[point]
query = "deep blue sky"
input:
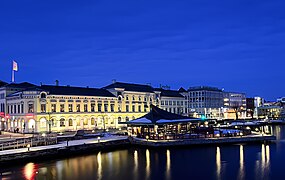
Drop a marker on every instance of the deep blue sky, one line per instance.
(238, 45)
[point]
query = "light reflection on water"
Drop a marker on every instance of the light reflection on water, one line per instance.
(168, 165)
(254, 161)
(218, 163)
(241, 174)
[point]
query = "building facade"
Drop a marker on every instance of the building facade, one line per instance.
(64, 108)
(234, 105)
(5, 90)
(172, 101)
(205, 102)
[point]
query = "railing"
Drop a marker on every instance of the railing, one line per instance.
(38, 140)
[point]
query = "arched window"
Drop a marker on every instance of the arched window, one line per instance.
(127, 118)
(53, 124)
(62, 122)
(127, 98)
(70, 122)
(140, 98)
(133, 117)
(93, 121)
(43, 95)
(134, 98)
(85, 121)
(119, 98)
(119, 119)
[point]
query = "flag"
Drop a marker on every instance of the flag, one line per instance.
(15, 66)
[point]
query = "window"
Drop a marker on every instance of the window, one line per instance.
(127, 98)
(134, 98)
(92, 121)
(99, 107)
(127, 108)
(43, 95)
(78, 108)
(62, 108)
(30, 108)
(19, 109)
(92, 107)
(70, 122)
(53, 123)
(70, 108)
(85, 121)
(127, 118)
(119, 119)
(85, 108)
(43, 108)
(112, 107)
(134, 108)
(140, 109)
(105, 107)
(53, 107)
(61, 122)
(140, 98)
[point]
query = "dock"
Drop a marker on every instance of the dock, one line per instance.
(203, 141)
(62, 149)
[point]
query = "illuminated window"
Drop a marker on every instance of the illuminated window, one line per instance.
(70, 122)
(92, 121)
(85, 121)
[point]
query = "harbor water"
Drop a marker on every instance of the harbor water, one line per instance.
(237, 161)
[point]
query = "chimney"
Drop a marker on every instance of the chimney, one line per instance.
(113, 81)
(56, 82)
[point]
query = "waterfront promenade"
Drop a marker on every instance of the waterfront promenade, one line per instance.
(63, 144)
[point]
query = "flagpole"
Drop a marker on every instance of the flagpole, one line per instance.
(13, 76)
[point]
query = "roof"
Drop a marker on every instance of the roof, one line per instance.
(169, 93)
(80, 91)
(130, 87)
(182, 90)
(160, 116)
(20, 85)
(207, 88)
(2, 83)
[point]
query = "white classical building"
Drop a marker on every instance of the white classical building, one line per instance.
(5, 90)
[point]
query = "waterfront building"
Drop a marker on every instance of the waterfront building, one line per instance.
(250, 107)
(133, 98)
(258, 102)
(66, 108)
(159, 124)
(172, 101)
(269, 112)
(234, 105)
(205, 102)
(5, 90)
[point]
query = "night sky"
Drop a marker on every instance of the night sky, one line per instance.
(238, 45)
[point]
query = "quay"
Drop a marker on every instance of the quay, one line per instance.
(78, 147)
(62, 149)
(203, 141)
